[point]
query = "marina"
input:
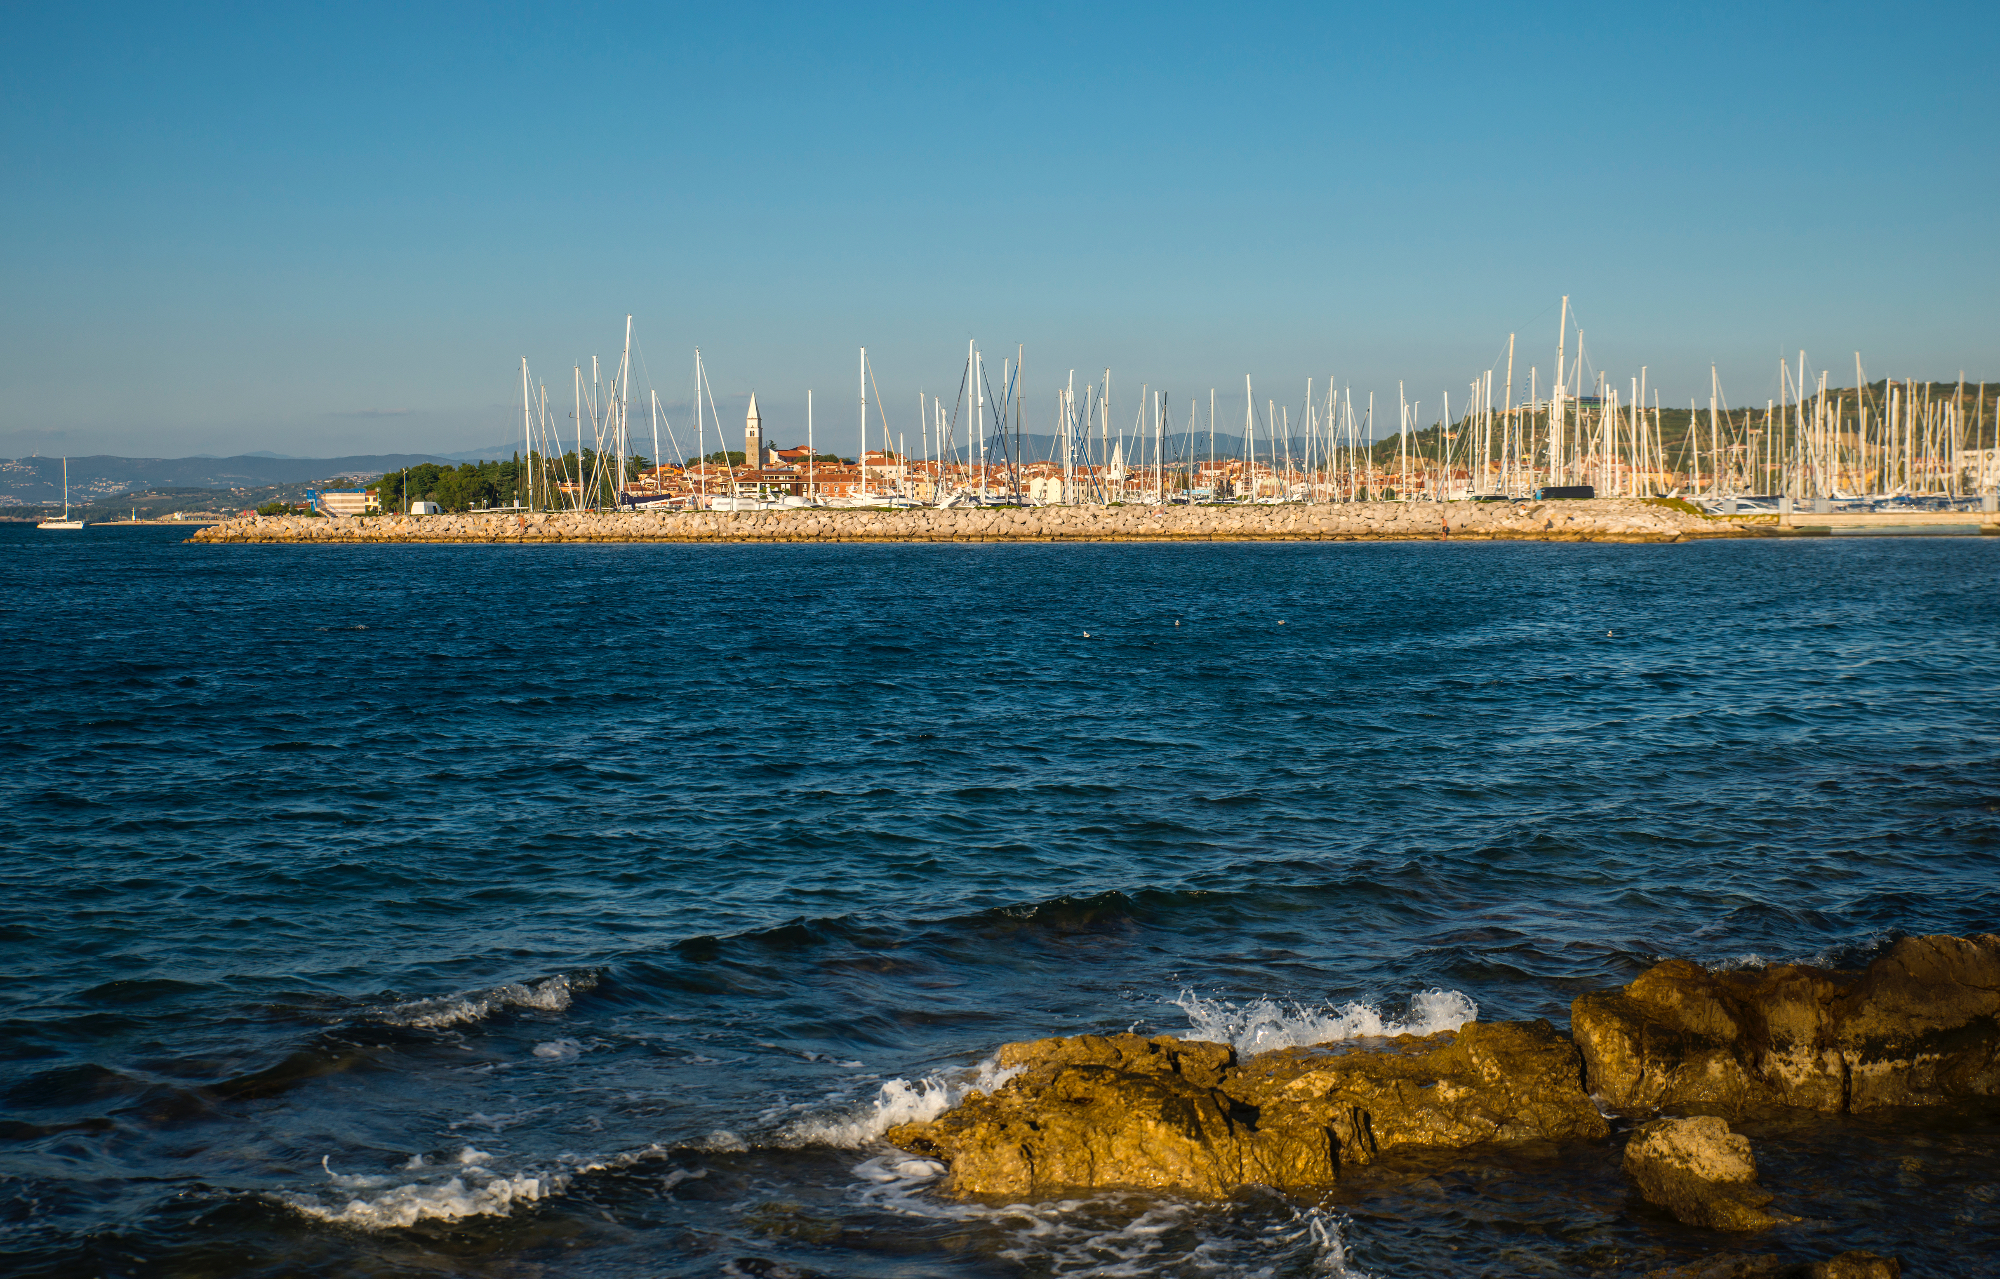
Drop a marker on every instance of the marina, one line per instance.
(1895, 447)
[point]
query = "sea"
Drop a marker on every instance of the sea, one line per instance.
(592, 909)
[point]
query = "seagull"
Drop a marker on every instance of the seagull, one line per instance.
(1281, 621)
(1086, 634)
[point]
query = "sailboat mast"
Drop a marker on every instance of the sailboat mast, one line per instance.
(1556, 394)
(527, 433)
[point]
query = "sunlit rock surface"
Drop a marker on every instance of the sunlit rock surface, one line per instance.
(1091, 1111)
(1699, 1171)
(1917, 1028)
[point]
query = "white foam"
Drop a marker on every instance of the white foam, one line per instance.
(1265, 1025)
(472, 1190)
(1119, 1236)
(899, 1101)
(552, 994)
(559, 1050)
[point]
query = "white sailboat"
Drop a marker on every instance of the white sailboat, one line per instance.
(65, 521)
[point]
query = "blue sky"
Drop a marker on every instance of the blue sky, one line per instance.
(329, 230)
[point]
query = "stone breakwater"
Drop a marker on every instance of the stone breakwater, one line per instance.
(1920, 1027)
(1605, 520)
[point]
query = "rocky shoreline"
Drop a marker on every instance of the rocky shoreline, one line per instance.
(1920, 1027)
(1602, 520)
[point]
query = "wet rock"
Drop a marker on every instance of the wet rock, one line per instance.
(1732, 1265)
(1699, 1171)
(1091, 1111)
(1917, 1028)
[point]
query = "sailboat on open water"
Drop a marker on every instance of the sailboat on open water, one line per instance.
(65, 521)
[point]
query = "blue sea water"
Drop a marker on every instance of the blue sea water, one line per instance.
(589, 910)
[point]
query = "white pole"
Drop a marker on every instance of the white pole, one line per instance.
(527, 433)
(1250, 437)
(1507, 431)
(1556, 394)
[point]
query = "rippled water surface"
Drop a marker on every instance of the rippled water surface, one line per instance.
(589, 910)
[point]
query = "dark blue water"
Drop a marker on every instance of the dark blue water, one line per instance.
(587, 910)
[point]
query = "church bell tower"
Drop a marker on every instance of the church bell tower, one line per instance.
(753, 435)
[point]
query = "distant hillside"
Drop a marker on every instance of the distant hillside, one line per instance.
(38, 480)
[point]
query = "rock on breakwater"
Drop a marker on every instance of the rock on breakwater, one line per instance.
(1603, 520)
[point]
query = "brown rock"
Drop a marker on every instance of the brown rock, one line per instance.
(1091, 1111)
(1699, 1171)
(1734, 1265)
(1917, 1028)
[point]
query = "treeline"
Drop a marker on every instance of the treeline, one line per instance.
(473, 486)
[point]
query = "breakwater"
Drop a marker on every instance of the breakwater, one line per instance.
(1602, 520)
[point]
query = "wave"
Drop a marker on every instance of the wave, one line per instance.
(899, 1101)
(552, 994)
(469, 1190)
(1118, 1235)
(1266, 1025)
(1252, 1028)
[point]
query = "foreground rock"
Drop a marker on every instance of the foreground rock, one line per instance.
(1699, 1171)
(1091, 1112)
(1601, 520)
(1917, 1028)
(1729, 1265)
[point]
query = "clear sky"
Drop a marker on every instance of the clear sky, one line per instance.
(323, 230)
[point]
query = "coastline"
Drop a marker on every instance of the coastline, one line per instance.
(1597, 520)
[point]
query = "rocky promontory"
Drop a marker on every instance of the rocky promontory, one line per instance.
(1601, 520)
(1916, 1028)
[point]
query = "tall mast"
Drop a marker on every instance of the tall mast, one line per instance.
(862, 379)
(700, 437)
(1249, 438)
(1403, 439)
(527, 433)
(625, 408)
(1714, 436)
(1507, 430)
(1556, 394)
